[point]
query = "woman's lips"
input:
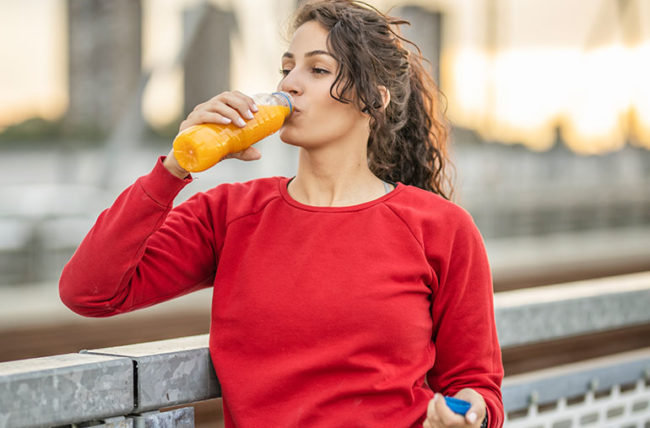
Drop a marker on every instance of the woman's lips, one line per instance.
(296, 112)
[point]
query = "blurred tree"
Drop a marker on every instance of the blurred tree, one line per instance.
(35, 130)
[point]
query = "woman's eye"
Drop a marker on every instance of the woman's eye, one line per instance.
(316, 70)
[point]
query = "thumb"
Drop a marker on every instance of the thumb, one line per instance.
(471, 416)
(474, 414)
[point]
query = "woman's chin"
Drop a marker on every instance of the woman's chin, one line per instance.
(288, 137)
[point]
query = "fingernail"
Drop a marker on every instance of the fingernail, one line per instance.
(471, 417)
(225, 120)
(248, 114)
(254, 108)
(436, 397)
(240, 122)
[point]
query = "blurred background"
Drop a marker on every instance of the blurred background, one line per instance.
(549, 102)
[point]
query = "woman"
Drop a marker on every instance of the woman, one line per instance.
(353, 294)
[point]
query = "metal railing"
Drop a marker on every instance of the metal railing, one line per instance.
(126, 385)
(610, 391)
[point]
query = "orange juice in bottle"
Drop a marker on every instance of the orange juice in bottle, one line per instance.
(199, 147)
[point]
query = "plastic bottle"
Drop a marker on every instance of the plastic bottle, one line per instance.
(199, 147)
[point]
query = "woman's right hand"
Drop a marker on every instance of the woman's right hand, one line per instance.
(227, 107)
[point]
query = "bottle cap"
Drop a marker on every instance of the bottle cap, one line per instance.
(288, 98)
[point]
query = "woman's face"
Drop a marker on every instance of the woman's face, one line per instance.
(308, 71)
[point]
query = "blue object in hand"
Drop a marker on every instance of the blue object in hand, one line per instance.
(457, 405)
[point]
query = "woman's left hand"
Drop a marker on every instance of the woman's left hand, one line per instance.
(439, 415)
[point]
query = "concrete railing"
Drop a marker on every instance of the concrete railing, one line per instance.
(126, 385)
(564, 310)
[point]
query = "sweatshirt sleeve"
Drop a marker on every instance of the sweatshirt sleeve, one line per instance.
(464, 330)
(140, 251)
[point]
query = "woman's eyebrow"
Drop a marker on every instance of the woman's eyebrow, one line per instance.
(289, 55)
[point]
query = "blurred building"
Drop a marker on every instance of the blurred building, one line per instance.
(104, 62)
(206, 34)
(531, 76)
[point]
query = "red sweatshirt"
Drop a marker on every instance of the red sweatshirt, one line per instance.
(321, 316)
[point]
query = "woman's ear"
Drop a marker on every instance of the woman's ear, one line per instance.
(385, 96)
(385, 100)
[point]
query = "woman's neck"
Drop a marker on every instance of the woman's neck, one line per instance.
(332, 177)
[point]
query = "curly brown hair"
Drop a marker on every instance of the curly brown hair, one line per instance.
(408, 139)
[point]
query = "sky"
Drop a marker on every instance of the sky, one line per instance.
(33, 73)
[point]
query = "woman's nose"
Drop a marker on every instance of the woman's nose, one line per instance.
(291, 83)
